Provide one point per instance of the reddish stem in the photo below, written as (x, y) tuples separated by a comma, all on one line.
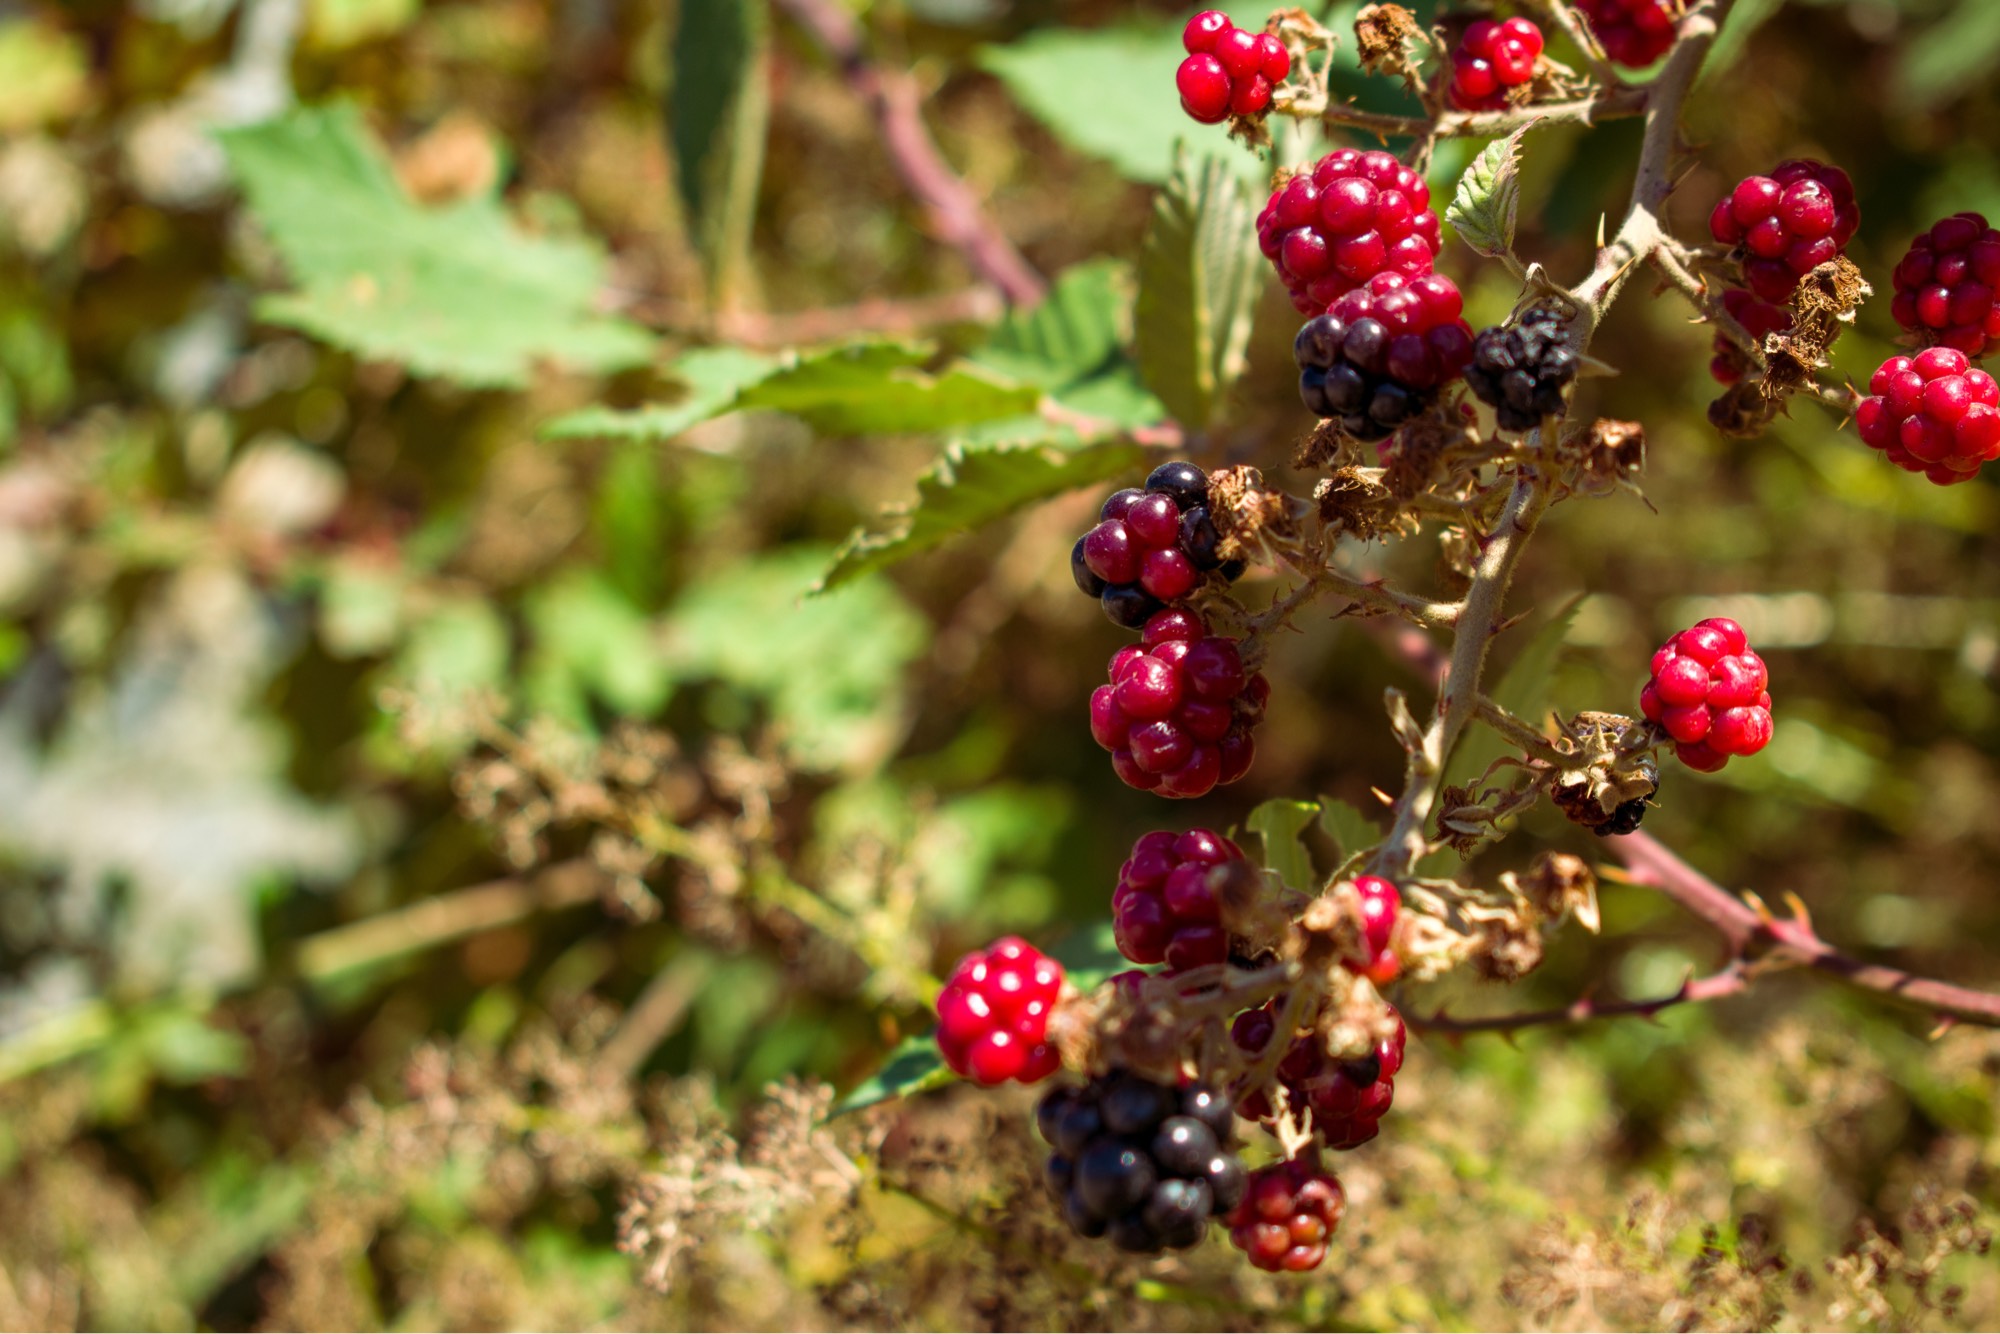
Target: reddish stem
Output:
[(956, 216)]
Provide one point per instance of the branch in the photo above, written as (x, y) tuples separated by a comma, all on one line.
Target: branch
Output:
[(1489, 124), (1478, 617), (956, 215), (1731, 980), (1754, 933)]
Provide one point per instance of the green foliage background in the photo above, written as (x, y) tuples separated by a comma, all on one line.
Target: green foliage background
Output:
[(402, 398)]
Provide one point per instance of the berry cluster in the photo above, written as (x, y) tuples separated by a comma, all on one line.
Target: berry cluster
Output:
[(1228, 71), (1633, 33), (1787, 224), (1948, 286), (1178, 710), (1287, 1216), (1356, 215), (1165, 907), (1760, 318), (1934, 413), (1347, 1099), (1143, 1163), (993, 1014), (1521, 371), (1150, 547), (1378, 357), (1708, 691), (1492, 58)]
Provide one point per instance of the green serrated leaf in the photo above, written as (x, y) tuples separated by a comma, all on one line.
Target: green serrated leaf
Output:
[(1483, 208), (1279, 822), (457, 292), (718, 110), (878, 388), (1107, 91), (1089, 955), (714, 376), (1074, 333), (1352, 832), (1199, 278), (915, 1066), (971, 486)]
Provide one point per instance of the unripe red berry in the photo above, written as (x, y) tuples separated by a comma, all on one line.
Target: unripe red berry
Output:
[(1709, 691), (1354, 216), (1204, 87), (1491, 59), (1787, 224), (1165, 909), (993, 1014), (1287, 1216), (1633, 33), (1947, 287), (1177, 710)]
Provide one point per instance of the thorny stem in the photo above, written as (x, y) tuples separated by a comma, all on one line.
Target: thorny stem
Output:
[(1458, 696), (1639, 238), (955, 213), (1614, 105), (1728, 981)]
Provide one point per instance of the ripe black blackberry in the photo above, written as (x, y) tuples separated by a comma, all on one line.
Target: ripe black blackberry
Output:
[(1521, 370), (1379, 356), (1151, 547), (1140, 1162)]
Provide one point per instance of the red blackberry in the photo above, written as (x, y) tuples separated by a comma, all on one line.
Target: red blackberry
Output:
[(1345, 1099), (993, 1014), (1164, 909), (1760, 318), (1491, 59), (1934, 413), (1141, 1162), (1787, 224), (1150, 547), (1522, 370), (1708, 691), (1379, 356), (1381, 905), (1358, 214), (1946, 286), (1287, 1216), (1228, 70), (1179, 709), (1633, 33)]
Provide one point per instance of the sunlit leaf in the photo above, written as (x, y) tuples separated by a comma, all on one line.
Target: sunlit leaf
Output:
[(1199, 278), (915, 1066), (458, 292)]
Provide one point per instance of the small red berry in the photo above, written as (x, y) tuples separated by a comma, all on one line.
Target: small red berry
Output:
[(1948, 286), (993, 1014), (1709, 691), (1491, 59), (1354, 216), (1177, 709), (1787, 224), (1165, 908), (1204, 30), (1287, 1216), (1633, 33), (1204, 88)]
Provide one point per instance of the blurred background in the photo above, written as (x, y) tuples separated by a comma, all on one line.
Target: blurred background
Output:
[(450, 869)]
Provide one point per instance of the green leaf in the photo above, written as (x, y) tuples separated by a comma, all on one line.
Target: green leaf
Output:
[(590, 642), (1075, 332), (969, 487), (718, 108), (1089, 955), (877, 388), (1279, 822), (1483, 209), (1352, 832), (713, 376), (1199, 278), (748, 625), (915, 1066), (458, 292), (1108, 92)]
